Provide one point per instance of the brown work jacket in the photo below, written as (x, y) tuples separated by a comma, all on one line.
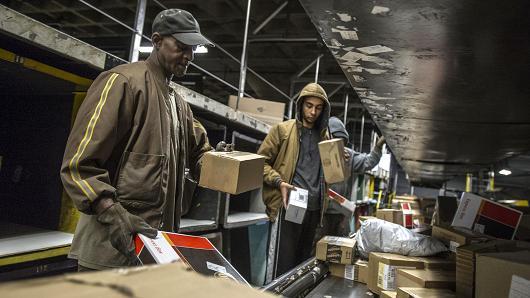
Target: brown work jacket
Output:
[(131, 141)]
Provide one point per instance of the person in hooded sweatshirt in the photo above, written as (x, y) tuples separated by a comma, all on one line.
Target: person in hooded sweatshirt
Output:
[(292, 160), (337, 218)]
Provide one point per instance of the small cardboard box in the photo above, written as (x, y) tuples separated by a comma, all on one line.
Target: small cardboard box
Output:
[(357, 272), (270, 112), (503, 274), (436, 263), (336, 169), (455, 237), (297, 205), (388, 294), (232, 172), (424, 293), (487, 217), (363, 271), (382, 270), (419, 278), (338, 250), (391, 215)]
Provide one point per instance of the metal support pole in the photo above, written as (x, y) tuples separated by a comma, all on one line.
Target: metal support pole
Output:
[(269, 18), (139, 28), (362, 134), (335, 90), (301, 72), (243, 69), (291, 100), (346, 99), (469, 182), (317, 68)]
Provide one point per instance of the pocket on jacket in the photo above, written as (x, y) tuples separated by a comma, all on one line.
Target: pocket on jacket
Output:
[(140, 180)]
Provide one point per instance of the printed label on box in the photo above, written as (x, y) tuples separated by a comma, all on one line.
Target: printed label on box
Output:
[(453, 245), (160, 249), (349, 272), (520, 287), (334, 253), (478, 228), (215, 267), (386, 276)]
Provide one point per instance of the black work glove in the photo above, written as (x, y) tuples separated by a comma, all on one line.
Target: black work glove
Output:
[(122, 228)]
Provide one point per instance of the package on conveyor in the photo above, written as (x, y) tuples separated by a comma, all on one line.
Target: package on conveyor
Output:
[(466, 261), (454, 237), (504, 274), (424, 278), (335, 167), (355, 272), (486, 216), (424, 293), (382, 270), (232, 172), (334, 249)]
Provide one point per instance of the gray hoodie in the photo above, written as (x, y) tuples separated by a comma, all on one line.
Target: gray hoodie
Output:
[(360, 162)]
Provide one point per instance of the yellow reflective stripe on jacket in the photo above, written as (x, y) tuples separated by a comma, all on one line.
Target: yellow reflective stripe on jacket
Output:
[(74, 163)]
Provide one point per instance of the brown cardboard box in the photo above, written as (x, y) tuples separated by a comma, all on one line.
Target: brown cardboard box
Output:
[(161, 281), (357, 272), (363, 271), (420, 278), (382, 270), (270, 112), (455, 237), (335, 168), (466, 261), (436, 263), (338, 250), (391, 215), (232, 172), (388, 294), (503, 274), (424, 293)]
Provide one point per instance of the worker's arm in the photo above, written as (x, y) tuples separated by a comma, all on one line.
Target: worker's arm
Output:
[(103, 119), (269, 149), (199, 145), (362, 161)]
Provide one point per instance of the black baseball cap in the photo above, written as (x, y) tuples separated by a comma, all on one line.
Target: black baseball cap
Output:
[(181, 25)]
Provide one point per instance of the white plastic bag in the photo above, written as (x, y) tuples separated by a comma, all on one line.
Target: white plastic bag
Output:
[(376, 235)]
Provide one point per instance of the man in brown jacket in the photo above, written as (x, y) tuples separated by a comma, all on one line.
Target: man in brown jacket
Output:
[(128, 149), (292, 160)]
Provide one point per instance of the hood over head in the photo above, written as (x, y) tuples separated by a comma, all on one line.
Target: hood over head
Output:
[(314, 89)]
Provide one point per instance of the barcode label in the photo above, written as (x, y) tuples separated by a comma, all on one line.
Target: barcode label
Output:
[(479, 228), (453, 245), (349, 272), (386, 277)]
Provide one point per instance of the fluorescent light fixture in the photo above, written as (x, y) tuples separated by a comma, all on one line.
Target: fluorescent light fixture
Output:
[(199, 50), (505, 172)]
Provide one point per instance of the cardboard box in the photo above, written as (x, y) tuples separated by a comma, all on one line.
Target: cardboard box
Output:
[(436, 263), (336, 169), (485, 216), (455, 237), (466, 261), (232, 172), (424, 293), (363, 218), (388, 294), (336, 250), (391, 215), (270, 112), (357, 272), (297, 206), (198, 253), (160, 281), (382, 270), (503, 274), (362, 267), (421, 278)]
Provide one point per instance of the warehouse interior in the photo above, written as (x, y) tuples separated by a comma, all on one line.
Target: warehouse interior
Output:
[(445, 83)]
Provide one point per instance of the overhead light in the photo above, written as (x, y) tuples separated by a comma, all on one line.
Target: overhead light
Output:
[(505, 172), (199, 50)]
